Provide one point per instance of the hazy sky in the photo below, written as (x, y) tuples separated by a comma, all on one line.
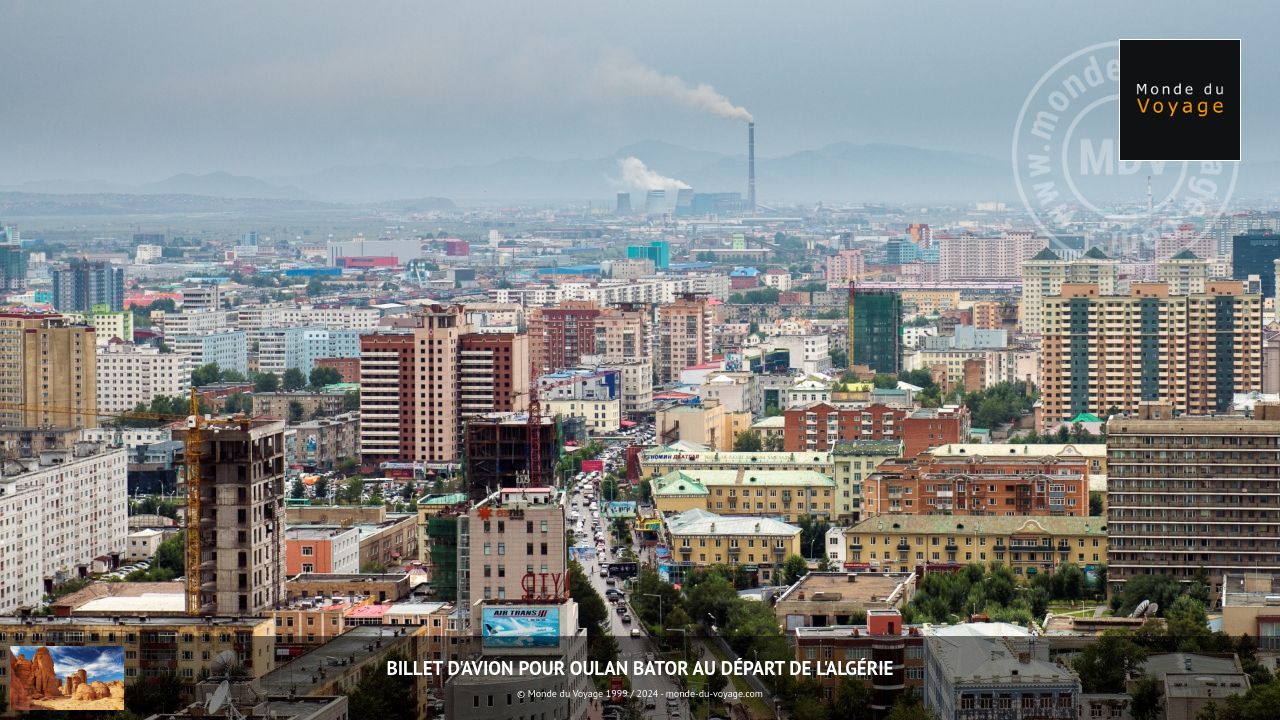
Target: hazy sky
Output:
[(140, 90)]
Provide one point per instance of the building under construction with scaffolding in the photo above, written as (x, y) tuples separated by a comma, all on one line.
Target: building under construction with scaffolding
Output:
[(497, 452)]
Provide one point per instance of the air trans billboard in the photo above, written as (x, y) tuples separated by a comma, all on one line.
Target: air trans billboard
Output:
[(513, 627)]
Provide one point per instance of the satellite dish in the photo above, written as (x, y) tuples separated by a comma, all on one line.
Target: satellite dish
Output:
[(219, 697), (223, 662)]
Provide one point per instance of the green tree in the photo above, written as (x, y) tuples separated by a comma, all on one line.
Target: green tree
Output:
[(839, 358), (710, 597), (884, 382), (294, 380), (352, 491), (920, 378), (322, 487), (1160, 589), (1096, 498), (794, 568), (322, 376), (266, 382), (373, 567), (910, 706), (1187, 622), (1104, 664), (297, 490), (383, 696), (295, 411), (238, 403), (158, 694), (747, 441), (350, 400), (852, 700), (1147, 699), (1068, 582), (813, 536), (315, 286), (206, 374), (172, 554)]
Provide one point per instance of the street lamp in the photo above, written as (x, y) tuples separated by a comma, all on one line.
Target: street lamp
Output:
[(659, 607)]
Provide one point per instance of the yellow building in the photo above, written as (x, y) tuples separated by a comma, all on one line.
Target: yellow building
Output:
[(853, 462), (708, 424), (930, 302), (903, 543), (699, 538), (789, 494), (153, 645), (48, 371)]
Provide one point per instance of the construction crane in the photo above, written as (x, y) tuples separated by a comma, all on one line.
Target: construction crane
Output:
[(196, 424), (535, 427)]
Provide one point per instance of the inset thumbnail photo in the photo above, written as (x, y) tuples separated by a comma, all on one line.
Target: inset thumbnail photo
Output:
[(58, 677)]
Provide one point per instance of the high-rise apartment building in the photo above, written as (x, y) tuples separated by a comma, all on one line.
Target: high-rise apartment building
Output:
[(48, 371), (1044, 275), (13, 268), (493, 375), (1184, 273), (198, 297), (621, 335), (242, 520), (875, 329), (684, 336), (1254, 253), (559, 336), (1186, 493), (419, 385), (497, 451), (64, 511), (846, 266), (129, 374), (1102, 352), (229, 349), (81, 284), (968, 257)]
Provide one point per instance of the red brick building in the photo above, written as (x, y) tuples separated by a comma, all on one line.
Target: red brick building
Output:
[(882, 639), (348, 368), (559, 336), (1052, 485), (930, 427), (821, 425)]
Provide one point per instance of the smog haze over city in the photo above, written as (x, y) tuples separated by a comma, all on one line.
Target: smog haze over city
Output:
[(595, 361)]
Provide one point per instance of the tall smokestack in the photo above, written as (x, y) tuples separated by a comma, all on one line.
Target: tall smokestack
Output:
[(751, 167)]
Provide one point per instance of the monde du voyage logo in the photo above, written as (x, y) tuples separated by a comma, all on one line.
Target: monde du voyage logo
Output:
[(1180, 100)]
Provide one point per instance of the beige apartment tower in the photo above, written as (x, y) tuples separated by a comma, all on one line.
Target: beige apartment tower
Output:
[(48, 372), (684, 336), (1101, 352), (512, 540)]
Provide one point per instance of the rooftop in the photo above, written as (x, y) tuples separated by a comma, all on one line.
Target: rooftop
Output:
[(1085, 450), (669, 453), (868, 447), (356, 646), (745, 477), (701, 522), (981, 525), (867, 587)]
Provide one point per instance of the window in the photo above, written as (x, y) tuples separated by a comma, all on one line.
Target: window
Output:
[(308, 550)]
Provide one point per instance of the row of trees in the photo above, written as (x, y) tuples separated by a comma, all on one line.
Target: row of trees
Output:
[(293, 378), (996, 592), (750, 441)]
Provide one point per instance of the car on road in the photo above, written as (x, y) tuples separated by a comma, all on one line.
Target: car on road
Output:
[(626, 619), (635, 633), (604, 573), (650, 704), (610, 581), (622, 609)]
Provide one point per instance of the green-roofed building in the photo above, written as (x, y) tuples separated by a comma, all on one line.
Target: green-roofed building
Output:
[(787, 495)]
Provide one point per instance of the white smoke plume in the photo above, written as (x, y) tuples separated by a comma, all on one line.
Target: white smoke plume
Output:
[(637, 176), (632, 77)]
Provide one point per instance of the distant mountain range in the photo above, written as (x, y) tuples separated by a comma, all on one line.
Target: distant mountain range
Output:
[(840, 172)]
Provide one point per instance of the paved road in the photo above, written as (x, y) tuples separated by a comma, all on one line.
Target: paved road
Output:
[(632, 649)]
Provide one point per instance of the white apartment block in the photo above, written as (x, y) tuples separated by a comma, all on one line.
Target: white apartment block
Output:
[(1044, 274), (144, 254), (601, 415), (228, 348), (59, 513), (528, 296), (659, 289), (190, 323), (129, 374), (967, 257), (280, 349), (255, 318), (201, 297)]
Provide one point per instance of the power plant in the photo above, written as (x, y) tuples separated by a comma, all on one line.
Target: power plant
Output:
[(751, 167)]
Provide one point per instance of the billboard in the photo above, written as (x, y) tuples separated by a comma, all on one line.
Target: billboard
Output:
[(527, 626), (593, 466)]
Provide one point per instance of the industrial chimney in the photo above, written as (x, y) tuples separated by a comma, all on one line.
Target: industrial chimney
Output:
[(751, 167)]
